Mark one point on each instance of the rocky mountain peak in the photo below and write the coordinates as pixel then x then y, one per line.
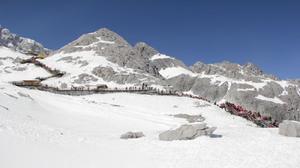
pixel 110 45
pixel 105 57
pixel 253 69
pixel 101 41
pixel 108 35
pixel 248 71
pixel 145 50
pixel 20 44
pixel 199 67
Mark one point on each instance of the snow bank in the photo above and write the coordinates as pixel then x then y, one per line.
pixel 160 56
pixel 274 100
pixel 175 71
pixel 12 70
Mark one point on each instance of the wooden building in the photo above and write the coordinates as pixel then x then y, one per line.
pixel 28 83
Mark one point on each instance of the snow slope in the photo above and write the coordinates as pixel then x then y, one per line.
pixel 84 63
pixel 40 129
pixel 12 70
pixel 171 72
pixel 274 100
pixel 160 56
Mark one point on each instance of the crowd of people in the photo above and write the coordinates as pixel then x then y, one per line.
pixel 255 117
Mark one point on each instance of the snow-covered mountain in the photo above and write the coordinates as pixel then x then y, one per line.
pixel 104 57
pixel 11 68
pixel 107 58
pixel 245 85
pixel 42 129
pixel 20 44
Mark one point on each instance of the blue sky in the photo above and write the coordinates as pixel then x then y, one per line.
pixel 265 32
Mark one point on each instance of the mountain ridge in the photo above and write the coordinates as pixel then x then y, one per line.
pixel 21 44
pixel 105 57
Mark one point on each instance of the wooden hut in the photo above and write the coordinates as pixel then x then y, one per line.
pixel 101 86
pixel 28 83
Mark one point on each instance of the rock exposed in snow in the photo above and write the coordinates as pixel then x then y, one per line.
pixel 243 85
pixel 145 50
pixel 109 44
pixel 187 132
pixel 11 68
pixel 116 49
pixel 132 135
pixel 190 118
pixel 20 44
pixel 289 128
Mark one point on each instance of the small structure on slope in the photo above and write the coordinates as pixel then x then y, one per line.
pixel 132 135
pixel 27 83
pixel 101 86
pixel 41 55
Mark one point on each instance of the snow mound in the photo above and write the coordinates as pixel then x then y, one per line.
pixel 175 71
pixel 160 56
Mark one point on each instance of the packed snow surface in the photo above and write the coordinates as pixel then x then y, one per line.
pixel 12 70
pixel 175 71
pixel 41 129
pixel 274 100
pixel 94 44
pixel 246 89
pixel 160 56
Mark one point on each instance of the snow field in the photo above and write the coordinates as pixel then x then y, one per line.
pixel 42 129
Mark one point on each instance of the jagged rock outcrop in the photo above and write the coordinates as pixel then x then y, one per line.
pixel 244 85
pixel 20 44
pixel 248 72
pixel 110 45
pixel 118 61
pixel 145 50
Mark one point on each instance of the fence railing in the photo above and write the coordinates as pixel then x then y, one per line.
pixel 233 109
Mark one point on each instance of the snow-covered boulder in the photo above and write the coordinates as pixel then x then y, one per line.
pixel 289 128
pixel 132 135
pixel 187 132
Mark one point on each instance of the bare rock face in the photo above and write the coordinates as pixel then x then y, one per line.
pixel 85 78
pixel 20 44
pixel 289 128
pixel 187 132
pixel 245 85
pixel 145 50
pixel 110 45
pixel 132 135
pixel 248 72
